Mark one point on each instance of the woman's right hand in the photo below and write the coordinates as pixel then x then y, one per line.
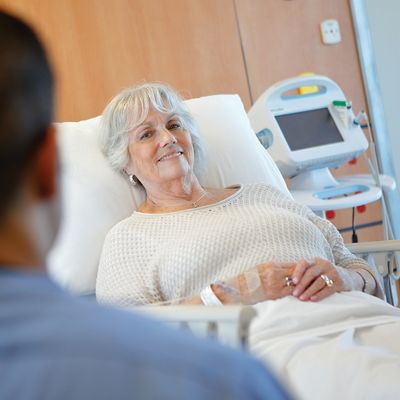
pixel 267 281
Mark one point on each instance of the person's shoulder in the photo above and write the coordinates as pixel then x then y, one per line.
pixel 264 189
pixel 122 351
pixel 222 372
pixel 137 343
pixel 125 226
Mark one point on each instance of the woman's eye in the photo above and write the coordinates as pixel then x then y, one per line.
pixel 174 125
pixel 145 135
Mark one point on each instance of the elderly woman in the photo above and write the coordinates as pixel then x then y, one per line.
pixel 186 240
pixel 244 244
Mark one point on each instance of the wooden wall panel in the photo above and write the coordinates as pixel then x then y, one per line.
pixel 101 46
pixel 282 39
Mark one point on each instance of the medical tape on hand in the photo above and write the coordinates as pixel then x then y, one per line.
pixel 252 279
pixel 239 288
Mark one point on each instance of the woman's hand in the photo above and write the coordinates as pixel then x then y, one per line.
pixel 268 281
pixel 319 279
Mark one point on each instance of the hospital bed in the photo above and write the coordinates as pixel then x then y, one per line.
pixel 95 197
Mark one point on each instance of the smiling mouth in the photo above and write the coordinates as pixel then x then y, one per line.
pixel 170 155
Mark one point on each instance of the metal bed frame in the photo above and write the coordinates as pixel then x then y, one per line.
pixel 384 255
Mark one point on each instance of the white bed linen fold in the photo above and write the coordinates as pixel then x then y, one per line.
pixel 344 347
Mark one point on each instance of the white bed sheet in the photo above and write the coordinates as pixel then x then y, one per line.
pixel 344 347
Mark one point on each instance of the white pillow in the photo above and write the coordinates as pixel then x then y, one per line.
pixel 95 197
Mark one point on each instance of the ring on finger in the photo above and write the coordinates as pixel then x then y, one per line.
pixel 289 281
pixel 328 281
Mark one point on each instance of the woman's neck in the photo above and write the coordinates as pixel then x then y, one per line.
pixel 175 195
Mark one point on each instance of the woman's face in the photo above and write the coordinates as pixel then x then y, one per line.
pixel 160 149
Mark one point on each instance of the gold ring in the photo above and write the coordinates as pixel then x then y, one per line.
pixel 289 281
pixel 328 281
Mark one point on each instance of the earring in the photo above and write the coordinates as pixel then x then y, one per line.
pixel 133 180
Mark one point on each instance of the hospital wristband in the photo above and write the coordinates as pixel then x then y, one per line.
pixel 209 298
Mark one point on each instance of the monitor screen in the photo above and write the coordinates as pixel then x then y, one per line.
pixel 307 129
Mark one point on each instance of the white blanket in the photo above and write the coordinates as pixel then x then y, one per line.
pixel 344 347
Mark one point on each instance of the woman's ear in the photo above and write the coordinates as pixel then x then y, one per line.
pixel 129 170
pixel 46 165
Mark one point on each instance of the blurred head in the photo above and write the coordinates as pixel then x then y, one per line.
pixel 26 104
pixel 28 204
pixel 148 132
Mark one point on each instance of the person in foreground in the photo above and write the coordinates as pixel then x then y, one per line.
pixel 319 313
pixel 53 346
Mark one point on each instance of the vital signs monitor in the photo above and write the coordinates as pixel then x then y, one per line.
pixel 306 124
pixel 306 131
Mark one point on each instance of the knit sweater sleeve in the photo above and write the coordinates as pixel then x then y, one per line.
pixel 341 254
pixel 124 276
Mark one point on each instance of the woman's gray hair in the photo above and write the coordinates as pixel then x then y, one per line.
pixel 129 108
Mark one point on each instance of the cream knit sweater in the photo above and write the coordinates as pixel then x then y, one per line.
pixel 149 258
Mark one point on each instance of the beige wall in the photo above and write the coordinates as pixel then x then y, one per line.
pixel 100 46
pixel 200 47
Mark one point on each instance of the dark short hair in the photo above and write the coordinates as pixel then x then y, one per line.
pixel 26 102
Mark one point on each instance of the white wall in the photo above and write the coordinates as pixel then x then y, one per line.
pixel 376 26
pixel 383 17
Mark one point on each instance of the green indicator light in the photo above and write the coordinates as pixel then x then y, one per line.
pixel 339 103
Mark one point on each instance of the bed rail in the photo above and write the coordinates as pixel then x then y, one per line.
pixel 229 324
pixel 384 255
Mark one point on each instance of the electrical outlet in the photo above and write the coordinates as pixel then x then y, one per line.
pixel 330 31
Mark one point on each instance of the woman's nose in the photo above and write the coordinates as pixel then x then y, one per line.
pixel 167 138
